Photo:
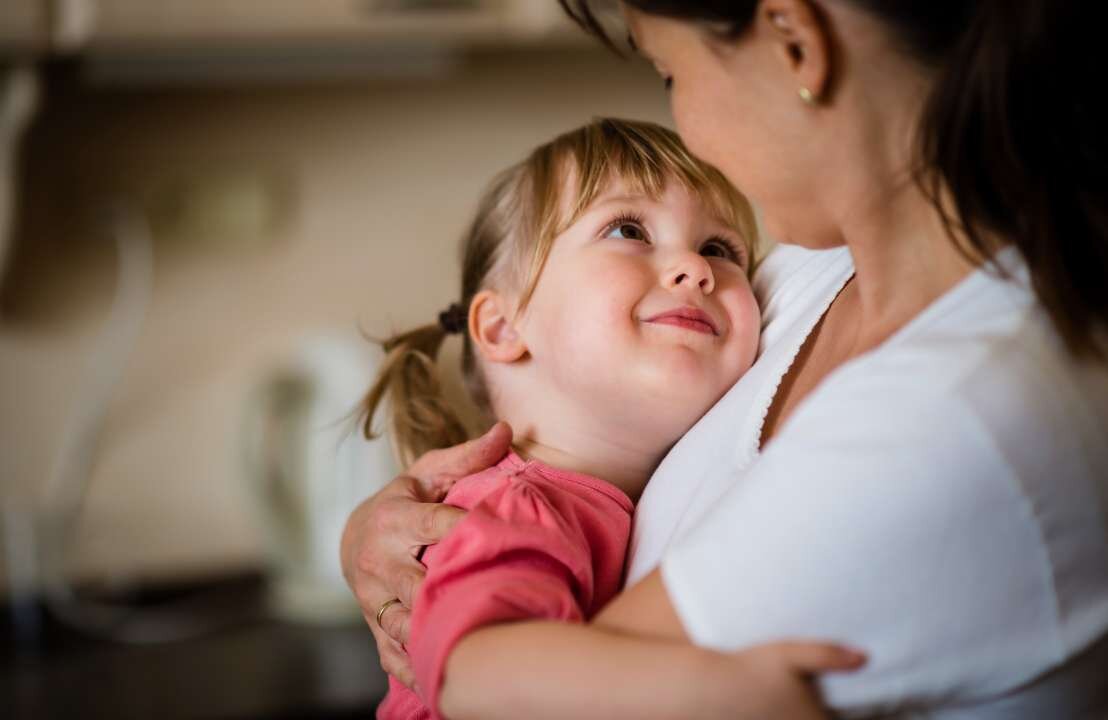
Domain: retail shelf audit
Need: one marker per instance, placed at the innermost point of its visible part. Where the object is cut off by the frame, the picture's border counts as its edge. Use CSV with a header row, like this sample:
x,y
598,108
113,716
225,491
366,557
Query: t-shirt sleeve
x,y
515,556
888,522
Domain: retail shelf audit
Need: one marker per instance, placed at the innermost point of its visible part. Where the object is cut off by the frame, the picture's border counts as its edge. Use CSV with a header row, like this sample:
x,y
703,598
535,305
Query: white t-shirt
x,y
940,502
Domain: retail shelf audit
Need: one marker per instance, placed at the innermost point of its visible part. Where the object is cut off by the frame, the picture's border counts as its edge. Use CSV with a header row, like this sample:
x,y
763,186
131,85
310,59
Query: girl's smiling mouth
x,y
689,318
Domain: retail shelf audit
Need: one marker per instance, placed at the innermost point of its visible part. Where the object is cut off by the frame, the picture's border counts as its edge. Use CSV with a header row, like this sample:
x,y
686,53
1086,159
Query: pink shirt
x,y
537,543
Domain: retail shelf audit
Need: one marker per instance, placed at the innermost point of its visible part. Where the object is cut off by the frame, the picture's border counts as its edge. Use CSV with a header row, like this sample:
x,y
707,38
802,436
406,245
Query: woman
x,y
918,462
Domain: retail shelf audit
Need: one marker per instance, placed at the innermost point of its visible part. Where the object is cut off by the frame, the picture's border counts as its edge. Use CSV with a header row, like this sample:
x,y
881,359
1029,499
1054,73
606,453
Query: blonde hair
x,y
507,244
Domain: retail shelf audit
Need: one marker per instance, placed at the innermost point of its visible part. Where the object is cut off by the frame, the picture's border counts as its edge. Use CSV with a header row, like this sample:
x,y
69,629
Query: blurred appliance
x,y
309,467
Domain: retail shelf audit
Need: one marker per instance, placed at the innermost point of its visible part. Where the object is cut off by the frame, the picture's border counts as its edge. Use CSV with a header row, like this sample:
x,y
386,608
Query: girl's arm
x,y
633,661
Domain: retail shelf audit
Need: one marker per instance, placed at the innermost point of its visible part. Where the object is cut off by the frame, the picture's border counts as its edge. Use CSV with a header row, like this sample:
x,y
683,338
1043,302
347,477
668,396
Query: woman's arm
x,y
483,644
613,674
633,661
556,670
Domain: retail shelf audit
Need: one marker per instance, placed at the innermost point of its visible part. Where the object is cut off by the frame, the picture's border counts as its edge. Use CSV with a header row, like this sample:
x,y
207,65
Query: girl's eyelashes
x,y
627,226
631,226
667,80
721,247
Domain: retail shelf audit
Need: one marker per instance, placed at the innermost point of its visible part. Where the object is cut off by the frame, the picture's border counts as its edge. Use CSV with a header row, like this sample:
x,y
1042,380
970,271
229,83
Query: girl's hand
x,y
384,535
775,680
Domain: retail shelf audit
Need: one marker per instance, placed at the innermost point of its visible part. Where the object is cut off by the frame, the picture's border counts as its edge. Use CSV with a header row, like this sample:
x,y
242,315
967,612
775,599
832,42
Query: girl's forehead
x,y
672,194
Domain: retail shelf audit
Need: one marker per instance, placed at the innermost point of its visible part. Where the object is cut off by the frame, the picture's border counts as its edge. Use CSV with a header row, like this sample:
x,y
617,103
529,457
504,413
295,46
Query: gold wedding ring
x,y
381,610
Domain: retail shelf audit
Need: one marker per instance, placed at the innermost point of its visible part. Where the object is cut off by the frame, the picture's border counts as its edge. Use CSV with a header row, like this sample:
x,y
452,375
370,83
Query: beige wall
x,y
372,183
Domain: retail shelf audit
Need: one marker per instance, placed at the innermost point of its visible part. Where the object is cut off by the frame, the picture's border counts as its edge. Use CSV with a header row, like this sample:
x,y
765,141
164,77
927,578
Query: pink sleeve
x,y
518,554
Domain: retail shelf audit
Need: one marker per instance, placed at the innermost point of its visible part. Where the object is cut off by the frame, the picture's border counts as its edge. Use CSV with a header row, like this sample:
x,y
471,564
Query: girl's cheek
x,y
746,316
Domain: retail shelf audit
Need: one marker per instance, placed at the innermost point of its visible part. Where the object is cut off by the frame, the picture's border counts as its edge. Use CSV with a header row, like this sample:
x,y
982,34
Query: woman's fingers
x,y
430,522
412,523
817,657
396,623
437,470
395,661
404,585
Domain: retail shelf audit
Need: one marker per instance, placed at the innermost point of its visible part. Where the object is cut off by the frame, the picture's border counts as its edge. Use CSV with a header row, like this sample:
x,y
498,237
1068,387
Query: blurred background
x,y
204,207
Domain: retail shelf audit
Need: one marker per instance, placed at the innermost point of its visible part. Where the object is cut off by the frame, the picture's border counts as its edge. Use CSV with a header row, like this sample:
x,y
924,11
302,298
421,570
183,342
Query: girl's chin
x,y
683,385
674,368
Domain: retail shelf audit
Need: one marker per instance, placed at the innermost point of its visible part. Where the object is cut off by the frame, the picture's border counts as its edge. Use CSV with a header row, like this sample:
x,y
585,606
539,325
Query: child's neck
x,y
629,469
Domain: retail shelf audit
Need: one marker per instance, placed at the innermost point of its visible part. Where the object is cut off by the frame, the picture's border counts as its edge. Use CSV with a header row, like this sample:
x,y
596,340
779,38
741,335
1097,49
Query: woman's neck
x,y
903,256
904,260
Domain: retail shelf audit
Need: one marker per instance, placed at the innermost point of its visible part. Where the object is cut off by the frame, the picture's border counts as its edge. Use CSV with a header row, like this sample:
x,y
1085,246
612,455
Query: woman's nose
x,y
691,270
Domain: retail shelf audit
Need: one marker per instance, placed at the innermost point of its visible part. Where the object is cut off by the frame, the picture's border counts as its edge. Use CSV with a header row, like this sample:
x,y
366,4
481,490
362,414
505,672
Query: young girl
x,y
605,307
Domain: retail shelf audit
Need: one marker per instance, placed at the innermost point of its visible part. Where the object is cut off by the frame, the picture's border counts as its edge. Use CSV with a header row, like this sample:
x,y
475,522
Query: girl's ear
x,y
491,328
801,35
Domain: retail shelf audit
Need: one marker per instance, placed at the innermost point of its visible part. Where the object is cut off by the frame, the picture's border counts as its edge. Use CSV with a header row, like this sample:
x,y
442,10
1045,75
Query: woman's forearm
x,y
555,670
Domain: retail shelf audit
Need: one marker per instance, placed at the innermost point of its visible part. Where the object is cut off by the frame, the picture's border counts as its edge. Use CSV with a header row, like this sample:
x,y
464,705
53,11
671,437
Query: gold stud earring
x,y
807,96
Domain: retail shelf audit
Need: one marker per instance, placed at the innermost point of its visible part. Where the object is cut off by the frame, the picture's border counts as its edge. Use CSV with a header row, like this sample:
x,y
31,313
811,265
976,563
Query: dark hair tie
x,y
453,319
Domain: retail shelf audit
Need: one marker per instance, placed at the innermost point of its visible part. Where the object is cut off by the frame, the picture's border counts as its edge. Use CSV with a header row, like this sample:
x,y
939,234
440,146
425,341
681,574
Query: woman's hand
x,y
384,535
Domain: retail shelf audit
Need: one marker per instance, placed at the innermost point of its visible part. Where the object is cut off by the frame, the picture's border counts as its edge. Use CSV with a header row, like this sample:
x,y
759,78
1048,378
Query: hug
x,y
851,459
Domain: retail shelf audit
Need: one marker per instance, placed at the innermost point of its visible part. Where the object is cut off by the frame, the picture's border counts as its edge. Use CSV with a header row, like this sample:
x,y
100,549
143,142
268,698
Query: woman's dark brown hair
x,y
1015,134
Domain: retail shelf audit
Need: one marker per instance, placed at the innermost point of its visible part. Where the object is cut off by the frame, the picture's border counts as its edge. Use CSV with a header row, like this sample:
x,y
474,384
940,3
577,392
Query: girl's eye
x,y
668,82
721,248
626,231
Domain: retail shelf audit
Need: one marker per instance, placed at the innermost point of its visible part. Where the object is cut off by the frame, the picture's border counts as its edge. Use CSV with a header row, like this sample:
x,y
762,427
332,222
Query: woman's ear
x,y
803,43
492,329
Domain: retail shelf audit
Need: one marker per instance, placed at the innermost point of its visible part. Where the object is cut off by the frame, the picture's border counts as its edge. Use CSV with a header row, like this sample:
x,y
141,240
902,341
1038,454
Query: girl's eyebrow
x,y
621,198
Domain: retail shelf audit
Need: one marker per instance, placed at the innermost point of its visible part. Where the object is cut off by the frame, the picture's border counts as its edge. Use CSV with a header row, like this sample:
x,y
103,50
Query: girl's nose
x,y
691,270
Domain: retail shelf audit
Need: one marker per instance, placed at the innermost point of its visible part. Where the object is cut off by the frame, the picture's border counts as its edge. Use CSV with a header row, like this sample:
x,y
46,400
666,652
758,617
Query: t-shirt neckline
x,y
512,462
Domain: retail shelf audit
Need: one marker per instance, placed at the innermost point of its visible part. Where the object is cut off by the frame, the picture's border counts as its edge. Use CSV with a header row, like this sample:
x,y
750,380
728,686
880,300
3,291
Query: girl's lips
x,y
689,318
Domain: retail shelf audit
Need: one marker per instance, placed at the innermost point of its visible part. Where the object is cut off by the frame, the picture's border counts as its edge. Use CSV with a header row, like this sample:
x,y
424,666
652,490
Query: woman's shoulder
x,y
988,351
984,370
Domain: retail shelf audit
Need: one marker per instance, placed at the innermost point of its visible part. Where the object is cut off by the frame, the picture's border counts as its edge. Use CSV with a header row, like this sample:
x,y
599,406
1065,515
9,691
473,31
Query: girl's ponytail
x,y
419,416
1016,136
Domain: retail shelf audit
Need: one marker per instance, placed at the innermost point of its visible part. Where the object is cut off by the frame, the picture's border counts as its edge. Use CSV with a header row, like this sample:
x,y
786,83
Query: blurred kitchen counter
x,y
254,667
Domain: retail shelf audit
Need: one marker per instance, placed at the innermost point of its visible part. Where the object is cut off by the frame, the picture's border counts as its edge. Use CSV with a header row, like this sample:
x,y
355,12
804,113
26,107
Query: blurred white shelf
x,y
107,26
203,42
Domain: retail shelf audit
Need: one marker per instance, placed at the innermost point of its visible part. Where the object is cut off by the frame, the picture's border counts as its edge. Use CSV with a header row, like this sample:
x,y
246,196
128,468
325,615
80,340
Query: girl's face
x,y
643,309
